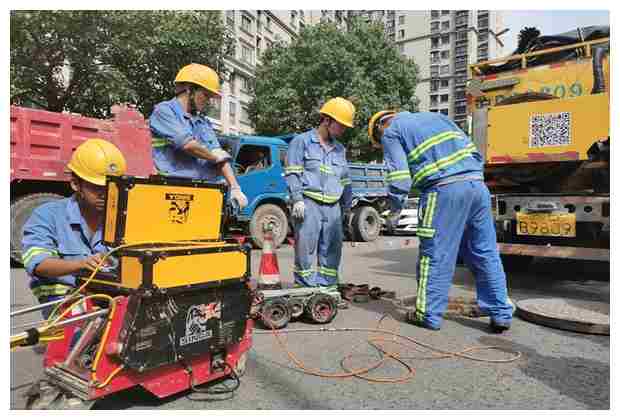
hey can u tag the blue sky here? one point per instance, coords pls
(549, 22)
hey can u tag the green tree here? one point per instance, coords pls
(86, 61)
(360, 64)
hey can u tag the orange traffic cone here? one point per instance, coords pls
(269, 272)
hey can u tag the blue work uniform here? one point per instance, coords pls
(171, 129)
(430, 152)
(319, 176)
(57, 230)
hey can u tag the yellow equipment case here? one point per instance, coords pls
(170, 234)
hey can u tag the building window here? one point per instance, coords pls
(445, 25)
(461, 35)
(444, 69)
(444, 111)
(434, 27)
(433, 100)
(245, 116)
(246, 23)
(445, 83)
(434, 14)
(232, 112)
(460, 110)
(246, 54)
(483, 22)
(233, 86)
(435, 57)
(259, 44)
(444, 98)
(434, 71)
(230, 18)
(268, 23)
(445, 39)
(392, 37)
(401, 34)
(445, 54)
(434, 85)
(401, 20)
(445, 12)
(434, 42)
(293, 18)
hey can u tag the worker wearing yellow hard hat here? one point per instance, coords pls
(184, 142)
(318, 180)
(64, 236)
(430, 152)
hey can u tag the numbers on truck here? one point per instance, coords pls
(561, 91)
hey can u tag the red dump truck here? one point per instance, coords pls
(42, 143)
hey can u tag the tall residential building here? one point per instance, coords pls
(442, 43)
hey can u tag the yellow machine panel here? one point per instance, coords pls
(175, 266)
(161, 210)
(551, 130)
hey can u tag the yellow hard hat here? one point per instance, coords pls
(96, 158)
(374, 121)
(341, 110)
(201, 75)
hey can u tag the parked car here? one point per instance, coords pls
(408, 221)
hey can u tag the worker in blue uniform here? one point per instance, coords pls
(63, 237)
(318, 180)
(184, 142)
(430, 152)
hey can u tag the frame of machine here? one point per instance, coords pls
(172, 313)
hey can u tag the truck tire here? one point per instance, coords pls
(366, 224)
(268, 213)
(21, 209)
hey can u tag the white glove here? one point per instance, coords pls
(299, 208)
(238, 195)
(391, 221)
(220, 155)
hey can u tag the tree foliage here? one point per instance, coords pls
(360, 64)
(526, 36)
(86, 61)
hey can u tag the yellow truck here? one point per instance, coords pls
(541, 121)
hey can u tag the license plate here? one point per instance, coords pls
(544, 224)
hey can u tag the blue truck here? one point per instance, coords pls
(259, 164)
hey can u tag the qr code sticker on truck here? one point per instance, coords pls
(550, 129)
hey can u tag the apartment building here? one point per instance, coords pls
(443, 44)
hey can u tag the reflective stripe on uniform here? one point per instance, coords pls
(50, 290)
(328, 271)
(345, 181)
(430, 209)
(159, 142)
(35, 250)
(398, 175)
(304, 273)
(420, 304)
(323, 198)
(294, 169)
(326, 170)
(423, 232)
(432, 141)
(443, 163)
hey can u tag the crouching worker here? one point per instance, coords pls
(320, 187)
(65, 236)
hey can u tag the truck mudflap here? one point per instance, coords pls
(548, 251)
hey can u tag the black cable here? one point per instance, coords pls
(210, 389)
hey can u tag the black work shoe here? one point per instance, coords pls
(498, 328)
(411, 318)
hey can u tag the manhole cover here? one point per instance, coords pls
(566, 314)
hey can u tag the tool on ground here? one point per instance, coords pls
(173, 315)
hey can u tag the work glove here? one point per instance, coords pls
(237, 195)
(221, 155)
(299, 209)
(391, 221)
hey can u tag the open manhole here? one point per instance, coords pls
(566, 314)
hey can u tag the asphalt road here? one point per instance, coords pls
(557, 369)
